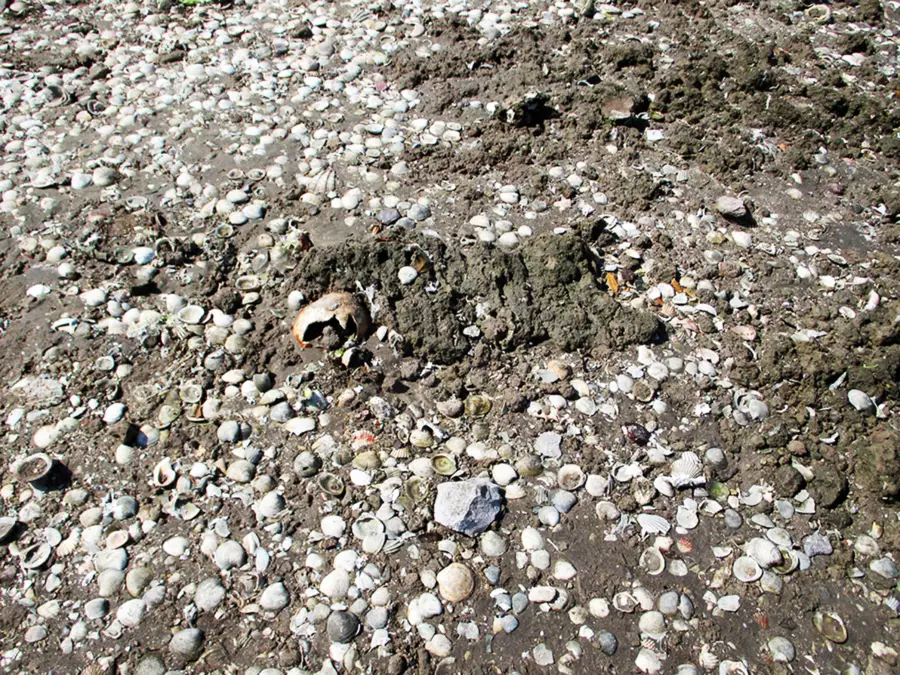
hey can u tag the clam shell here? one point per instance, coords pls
(224, 231)
(189, 392)
(164, 473)
(117, 539)
(570, 477)
(7, 528)
(345, 309)
(366, 526)
(687, 518)
(763, 551)
(652, 561)
(191, 315)
(530, 466)
(320, 182)
(625, 602)
(367, 460)
(455, 582)
(36, 556)
(790, 561)
(746, 569)
(33, 467)
(443, 465)
(333, 485)
(477, 405)
(830, 626)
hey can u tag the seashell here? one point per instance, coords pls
(413, 493)
(570, 477)
(642, 490)
(650, 523)
(191, 315)
(648, 662)
(455, 582)
(643, 391)
(7, 529)
(443, 465)
(607, 510)
(342, 626)
(687, 467)
(421, 438)
(625, 602)
(256, 174)
(36, 556)
(307, 464)
(249, 282)
(117, 539)
(790, 561)
(235, 175)
(781, 650)
(664, 486)
(33, 468)
(366, 526)
(652, 623)
(189, 392)
(333, 485)
(861, 400)
(830, 626)
(367, 460)
(530, 466)
(168, 414)
(401, 453)
(164, 474)
(323, 182)
(339, 310)
(746, 569)
(652, 561)
(477, 405)
(687, 517)
(763, 551)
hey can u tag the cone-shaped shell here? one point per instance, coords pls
(343, 308)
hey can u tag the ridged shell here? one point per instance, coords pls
(343, 308)
(643, 491)
(570, 477)
(455, 582)
(650, 523)
(367, 460)
(688, 465)
(191, 315)
(320, 183)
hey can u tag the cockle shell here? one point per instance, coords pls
(650, 523)
(763, 551)
(344, 309)
(455, 582)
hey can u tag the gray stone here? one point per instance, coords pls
(187, 643)
(209, 594)
(150, 665)
(124, 508)
(548, 444)
(731, 207)
(468, 506)
(229, 432)
(96, 608)
(137, 580)
(816, 544)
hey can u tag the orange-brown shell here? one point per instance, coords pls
(345, 308)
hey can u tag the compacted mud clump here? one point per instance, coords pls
(549, 289)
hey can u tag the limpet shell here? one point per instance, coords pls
(477, 405)
(191, 315)
(830, 626)
(33, 468)
(455, 582)
(333, 485)
(443, 464)
(652, 561)
(570, 477)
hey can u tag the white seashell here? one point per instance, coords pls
(687, 465)
(648, 662)
(320, 183)
(570, 477)
(625, 602)
(626, 472)
(763, 551)
(607, 510)
(746, 569)
(729, 603)
(652, 623)
(191, 315)
(163, 473)
(860, 400)
(643, 491)
(687, 518)
(652, 524)
(663, 485)
(652, 561)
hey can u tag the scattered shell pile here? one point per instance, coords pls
(208, 470)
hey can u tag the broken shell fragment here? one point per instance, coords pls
(570, 477)
(341, 311)
(164, 474)
(652, 561)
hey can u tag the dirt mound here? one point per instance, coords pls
(548, 289)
